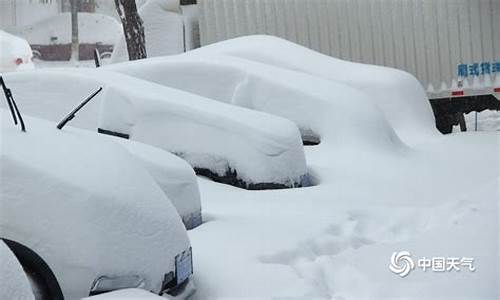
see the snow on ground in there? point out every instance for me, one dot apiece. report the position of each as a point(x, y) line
point(334, 240)
point(15, 284)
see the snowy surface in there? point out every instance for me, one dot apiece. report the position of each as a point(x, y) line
point(92, 28)
point(398, 94)
point(15, 284)
point(12, 48)
point(90, 209)
point(334, 240)
point(163, 29)
point(428, 194)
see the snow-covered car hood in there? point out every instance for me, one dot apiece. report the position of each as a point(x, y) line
point(86, 206)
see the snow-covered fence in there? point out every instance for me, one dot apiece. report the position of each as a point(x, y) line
point(428, 38)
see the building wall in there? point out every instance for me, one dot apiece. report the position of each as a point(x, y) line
point(18, 13)
point(428, 38)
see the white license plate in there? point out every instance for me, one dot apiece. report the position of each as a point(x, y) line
point(183, 266)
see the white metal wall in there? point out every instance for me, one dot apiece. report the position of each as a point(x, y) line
point(428, 38)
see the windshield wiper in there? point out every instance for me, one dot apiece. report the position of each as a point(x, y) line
point(14, 111)
point(74, 111)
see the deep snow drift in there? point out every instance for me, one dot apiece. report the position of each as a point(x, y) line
point(334, 240)
point(398, 94)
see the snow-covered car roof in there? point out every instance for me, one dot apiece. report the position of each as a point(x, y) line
point(231, 144)
point(397, 93)
point(86, 206)
point(15, 53)
point(325, 111)
point(13, 281)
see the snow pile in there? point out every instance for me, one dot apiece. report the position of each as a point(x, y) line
point(92, 28)
point(15, 284)
point(11, 49)
point(334, 113)
point(397, 93)
point(487, 120)
point(96, 207)
point(163, 29)
point(227, 141)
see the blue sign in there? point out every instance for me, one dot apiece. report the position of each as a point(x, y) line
point(476, 69)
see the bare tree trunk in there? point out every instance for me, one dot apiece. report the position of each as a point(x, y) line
point(75, 45)
point(133, 28)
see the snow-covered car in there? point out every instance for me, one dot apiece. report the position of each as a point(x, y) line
point(316, 105)
point(15, 53)
point(85, 217)
point(177, 179)
point(229, 144)
point(14, 283)
point(398, 94)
